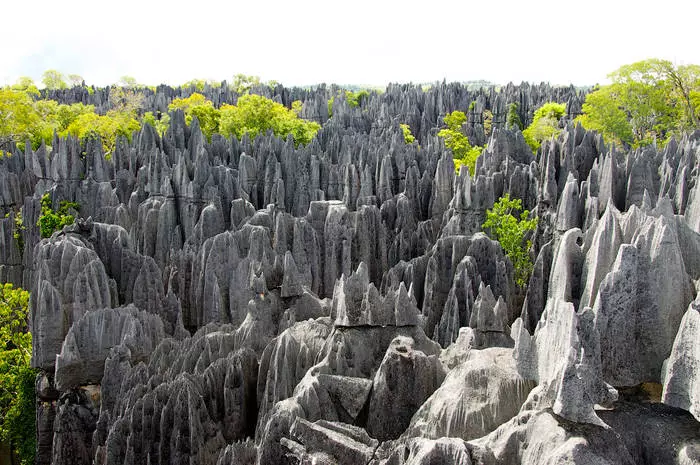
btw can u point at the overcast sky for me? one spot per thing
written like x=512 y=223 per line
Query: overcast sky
x=356 y=42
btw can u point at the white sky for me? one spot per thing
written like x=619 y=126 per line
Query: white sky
x=357 y=42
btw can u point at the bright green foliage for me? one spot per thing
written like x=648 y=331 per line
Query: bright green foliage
x=50 y=220
x=160 y=124
x=455 y=120
x=455 y=139
x=469 y=159
x=22 y=118
x=513 y=119
x=510 y=231
x=407 y=136
x=197 y=105
x=355 y=99
x=545 y=124
x=107 y=127
x=26 y=84
x=255 y=115
x=18 y=118
x=330 y=106
x=53 y=79
x=603 y=113
x=17 y=392
x=82 y=122
x=647 y=100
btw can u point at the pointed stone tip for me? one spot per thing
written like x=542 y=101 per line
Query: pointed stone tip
x=362 y=271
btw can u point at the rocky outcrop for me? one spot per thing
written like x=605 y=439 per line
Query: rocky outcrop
x=404 y=380
x=682 y=376
x=88 y=342
x=223 y=300
x=670 y=436
x=476 y=397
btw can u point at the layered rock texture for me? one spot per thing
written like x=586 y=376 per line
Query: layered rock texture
x=248 y=301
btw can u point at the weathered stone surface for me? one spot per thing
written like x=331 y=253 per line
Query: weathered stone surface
x=682 y=376
x=421 y=451
x=335 y=442
x=90 y=339
x=476 y=397
x=286 y=360
x=70 y=281
x=637 y=314
x=405 y=379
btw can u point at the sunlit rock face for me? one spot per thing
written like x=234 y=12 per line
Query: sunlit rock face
x=252 y=301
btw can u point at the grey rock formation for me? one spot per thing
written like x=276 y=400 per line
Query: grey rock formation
x=404 y=380
x=637 y=314
x=476 y=397
x=682 y=376
x=89 y=340
x=255 y=301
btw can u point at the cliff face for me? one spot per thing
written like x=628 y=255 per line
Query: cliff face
x=252 y=302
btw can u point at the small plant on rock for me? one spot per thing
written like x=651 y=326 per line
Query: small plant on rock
x=50 y=220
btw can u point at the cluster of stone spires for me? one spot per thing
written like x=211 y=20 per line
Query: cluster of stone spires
x=252 y=302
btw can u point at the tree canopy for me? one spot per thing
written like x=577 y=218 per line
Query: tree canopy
x=510 y=230
x=647 y=100
x=24 y=117
x=17 y=391
x=197 y=105
x=462 y=151
x=545 y=124
x=255 y=115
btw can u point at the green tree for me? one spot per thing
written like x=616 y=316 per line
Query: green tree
x=18 y=229
x=355 y=99
x=197 y=105
x=17 y=391
x=18 y=118
x=160 y=123
x=462 y=151
x=408 y=137
x=107 y=128
x=255 y=115
x=603 y=112
x=26 y=84
x=53 y=79
x=510 y=231
x=545 y=124
x=657 y=98
x=51 y=221
x=125 y=99
x=487 y=118
x=197 y=84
